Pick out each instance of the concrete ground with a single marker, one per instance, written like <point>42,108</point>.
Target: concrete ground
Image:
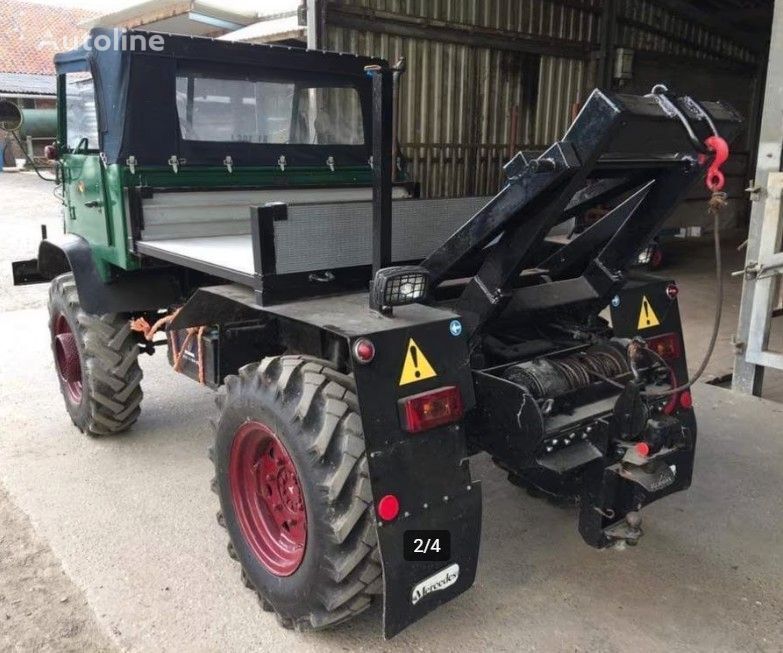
<point>123,528</point>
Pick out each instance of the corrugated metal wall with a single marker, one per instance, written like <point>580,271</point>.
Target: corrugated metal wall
<point>648,27</point>
<point>466,104</point>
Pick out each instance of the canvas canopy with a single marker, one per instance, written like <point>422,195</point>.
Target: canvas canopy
<point>204,100</point>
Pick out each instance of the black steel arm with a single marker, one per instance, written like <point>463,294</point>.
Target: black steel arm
<point>576,254</point>
<point>586,140</point>
<point>616,144</point>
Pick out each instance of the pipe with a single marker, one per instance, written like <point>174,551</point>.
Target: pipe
<point>36,123</point>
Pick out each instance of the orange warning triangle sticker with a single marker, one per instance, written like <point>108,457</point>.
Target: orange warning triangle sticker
<point>647,316</point>
<point>416,367</point>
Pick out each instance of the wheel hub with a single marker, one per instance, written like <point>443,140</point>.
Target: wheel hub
<point>66,355</point>
<point>267,498</point>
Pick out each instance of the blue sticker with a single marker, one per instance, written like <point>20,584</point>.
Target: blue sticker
<point>616,301</point>
<point>455,328</point>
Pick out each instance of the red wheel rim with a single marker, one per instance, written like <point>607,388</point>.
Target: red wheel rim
<point>66,357</point>
<point>267,498</point>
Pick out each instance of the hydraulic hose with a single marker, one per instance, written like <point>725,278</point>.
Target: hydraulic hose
<point>716,203</point>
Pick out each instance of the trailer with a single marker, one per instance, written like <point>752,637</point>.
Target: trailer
<point>234,203</point>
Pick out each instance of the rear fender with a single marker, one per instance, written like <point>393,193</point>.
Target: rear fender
<point>428,472</point>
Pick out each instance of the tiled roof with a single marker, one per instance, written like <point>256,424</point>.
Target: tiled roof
<point>26,84</point>
<point>33,33</point>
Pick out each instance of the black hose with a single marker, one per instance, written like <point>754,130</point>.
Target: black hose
<point>32,163</point>
<point>717,202</point>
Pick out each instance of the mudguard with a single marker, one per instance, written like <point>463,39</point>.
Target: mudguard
<point>133,291</point>
<point>428,472</point>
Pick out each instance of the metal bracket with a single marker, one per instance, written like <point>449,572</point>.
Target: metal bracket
<point>754,270</point>
<point>750,271</point>
<point>174,163</point>
<point>515,166</point>
<point>282,162</point>
<point>229,163</point>
<point>131,163</point>
<point>737,343</point>
<point>330,162</point>
<point>755,190</point>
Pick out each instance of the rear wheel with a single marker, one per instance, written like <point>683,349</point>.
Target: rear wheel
<point>96,361</point>
<point>291,473</point>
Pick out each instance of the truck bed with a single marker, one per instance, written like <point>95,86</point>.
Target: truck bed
<point>308,238</point>
<point>226,257</point>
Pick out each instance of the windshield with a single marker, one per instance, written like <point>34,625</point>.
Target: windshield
<point>245,110</point>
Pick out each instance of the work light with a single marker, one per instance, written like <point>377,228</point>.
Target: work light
<point>397,286</point>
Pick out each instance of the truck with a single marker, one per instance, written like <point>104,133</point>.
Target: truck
<point>234,204</point>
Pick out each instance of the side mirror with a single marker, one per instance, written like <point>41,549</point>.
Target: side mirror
<point>52,152</point>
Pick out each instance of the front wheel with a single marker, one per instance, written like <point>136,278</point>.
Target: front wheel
<point>95,357</point>
<point>291,474</point>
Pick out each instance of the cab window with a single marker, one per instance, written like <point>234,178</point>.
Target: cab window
<point>81,116</point>
<point>253,110</point>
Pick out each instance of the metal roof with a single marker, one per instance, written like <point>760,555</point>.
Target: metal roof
<point>27,84</point>
<point>194,17</point>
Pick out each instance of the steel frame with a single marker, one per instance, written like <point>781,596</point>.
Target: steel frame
<point>763,275</point>
<point>764,233</point>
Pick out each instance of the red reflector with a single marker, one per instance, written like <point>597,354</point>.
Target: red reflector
<point>666,346</point>
<point>388,507</point>
<point>430,409</point>
<point>363,350</point>
<point>672,291</point>
<point>686,400</point>
<point>643,449</point>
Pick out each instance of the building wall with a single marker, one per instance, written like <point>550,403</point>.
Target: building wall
<point>486,78</point>
<point>465,106</point>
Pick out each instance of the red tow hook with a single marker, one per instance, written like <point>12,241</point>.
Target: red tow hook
<point>715,179</point>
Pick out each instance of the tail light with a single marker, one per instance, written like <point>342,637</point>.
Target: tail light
<point>52,152</point>
<point>427,410</point>
<point>667,346</point>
